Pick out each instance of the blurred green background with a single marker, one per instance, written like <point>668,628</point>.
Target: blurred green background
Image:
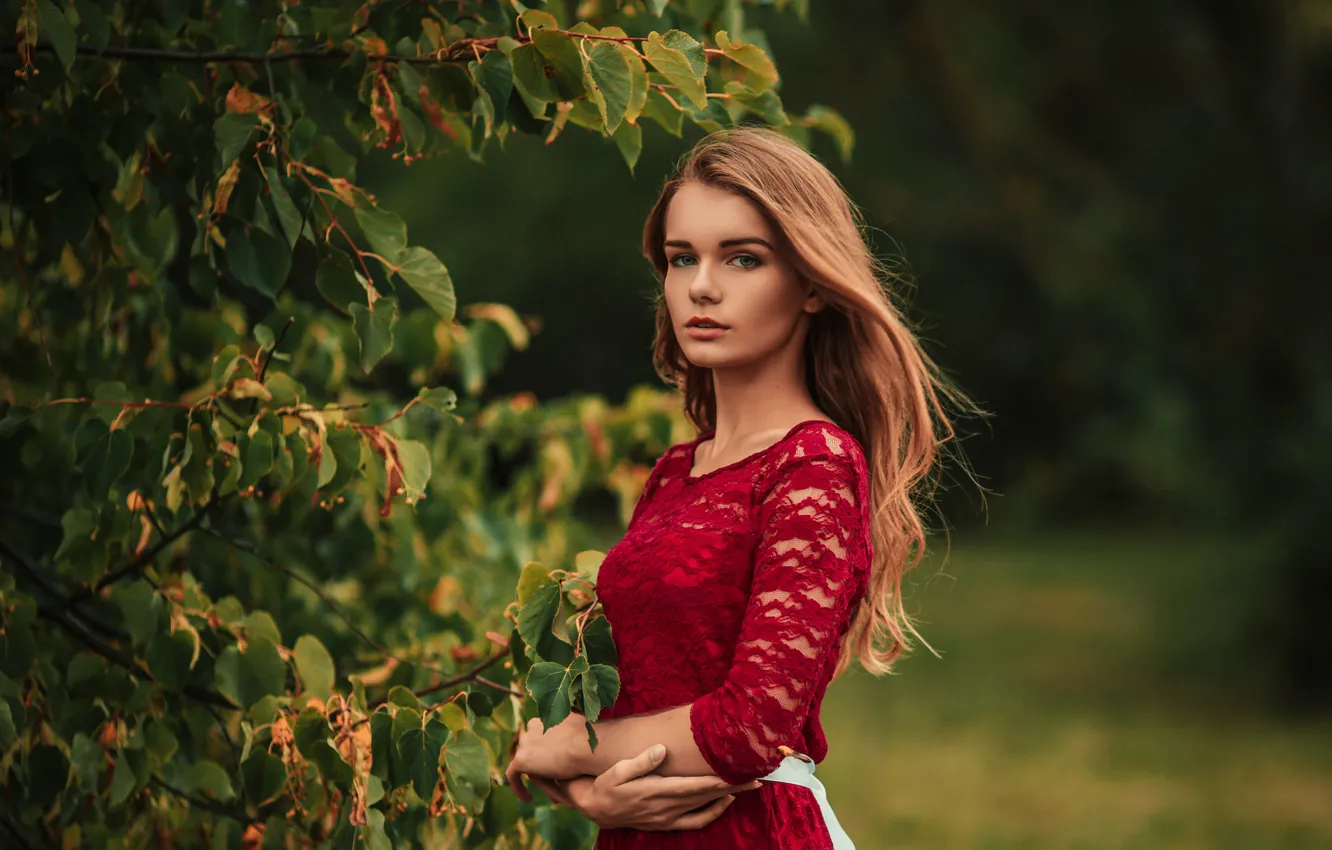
<point>1112,219</point>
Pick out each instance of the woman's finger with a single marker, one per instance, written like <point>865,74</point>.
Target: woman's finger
<point>693,801</point>
<point>698,820</point>
<point>692,786</point>
<point>515,778</point>
<point>643,763</point>
<point>553,790</point>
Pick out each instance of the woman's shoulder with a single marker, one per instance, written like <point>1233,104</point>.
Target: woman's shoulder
<point>816,452</point>
<point>817,439</point>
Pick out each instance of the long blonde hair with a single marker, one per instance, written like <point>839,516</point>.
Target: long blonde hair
<point>864,365</point>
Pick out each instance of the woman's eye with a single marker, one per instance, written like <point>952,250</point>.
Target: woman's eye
<point>678,259</point>
<point>750,262</point>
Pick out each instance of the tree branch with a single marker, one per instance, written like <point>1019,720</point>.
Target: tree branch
<point>141,563</point>
<point>206,805</point>
<point>474,673</point>
<point>158,54</point>
<point>295,576</point>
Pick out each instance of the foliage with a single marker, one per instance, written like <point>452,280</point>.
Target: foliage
<point>260,556</point>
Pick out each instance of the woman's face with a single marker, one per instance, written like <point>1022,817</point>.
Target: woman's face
<point>722,264</point>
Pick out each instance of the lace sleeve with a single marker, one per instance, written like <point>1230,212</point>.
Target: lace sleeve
<point>807,576</point>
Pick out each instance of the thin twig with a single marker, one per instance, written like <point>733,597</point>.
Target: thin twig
<point>206,805</point>
<point>141,563</point>
<point>324,597</point>
<point>165,55</point>
<point>263,370</point>
<point>454,680</point>
<point>34,575</point>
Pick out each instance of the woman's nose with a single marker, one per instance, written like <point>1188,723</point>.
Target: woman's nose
<point>703,283</point>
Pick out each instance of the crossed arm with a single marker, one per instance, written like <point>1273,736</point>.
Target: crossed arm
<point>805,579</point>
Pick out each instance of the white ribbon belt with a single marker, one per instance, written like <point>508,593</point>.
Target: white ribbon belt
<point>800,771</point>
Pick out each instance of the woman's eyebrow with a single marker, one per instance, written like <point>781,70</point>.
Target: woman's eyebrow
<point>725,243</point>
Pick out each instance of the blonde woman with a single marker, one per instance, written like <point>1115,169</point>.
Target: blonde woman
<point>767,554</point>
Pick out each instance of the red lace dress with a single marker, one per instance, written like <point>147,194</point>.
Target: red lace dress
<point>732,590</point>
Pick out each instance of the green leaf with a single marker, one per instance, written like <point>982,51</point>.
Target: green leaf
<point>385,231</point>
<point>529,73</point>
<point>8,732</point>
<point>258,259</point>
<point>562,55</point>
<point>608,82</point>
<point>548,683</point>
<point>598,643</point>
<point>168,658</point>
<point>766,104</point>
<point>104,456</point>
<point>256,458</point>
<point>689,47</point>
<point>415,460</point>
<point>263,776</point>
<point>601,687</point>
<point>420,749</point>
<point>656,7</point>
<point>337,281</point>
<point>494,73</point>
<point>139,608</point>
<point>428,277</point>
<point>828,120</point>
<point>260,624</point>
<point>288,216</point>
<point>374,330</point>
<point>438,398</point>
<point>78,525</point>
<point>532,578</point>
<point>403,696</point>
<point>94,22</point>
<point>661,110</point>
<point>314,665</point>
<point>55,28</point>
<point>122,781</point>
<point>538,615</point>
<point>629,139</point>
<point>151,240</point>
<point>286,392</point>
<point>210,779</point>
<point>536,18</point>
<point>467,770</point>
<point>375,836</point>
<point>752,57</point>
<point>249,677</point>
<point>344,444</point>
<point>231,133</point>
<point>677,67</point>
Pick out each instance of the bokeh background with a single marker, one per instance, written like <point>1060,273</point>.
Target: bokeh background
<point>1112,222</point>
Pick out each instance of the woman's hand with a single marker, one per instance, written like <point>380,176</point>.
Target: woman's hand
<point>545,753</point>
<point>627,795</point>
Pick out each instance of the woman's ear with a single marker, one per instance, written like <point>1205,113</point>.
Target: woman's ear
<point>813,301</point>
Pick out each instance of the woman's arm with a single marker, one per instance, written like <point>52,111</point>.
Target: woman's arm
<point>631,795</point>
<point>563,751</point>
<point>807,576</point>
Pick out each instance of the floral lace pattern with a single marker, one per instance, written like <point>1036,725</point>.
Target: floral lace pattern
<point>732,589</point>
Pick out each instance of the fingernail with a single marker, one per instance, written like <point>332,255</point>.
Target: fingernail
<point>657,753</point>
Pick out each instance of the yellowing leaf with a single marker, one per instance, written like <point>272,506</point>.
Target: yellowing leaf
<point>250,388</point>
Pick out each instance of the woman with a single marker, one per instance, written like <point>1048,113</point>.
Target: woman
<point>768,552</point>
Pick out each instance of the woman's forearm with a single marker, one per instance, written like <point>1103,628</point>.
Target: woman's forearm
<point>625,737</point>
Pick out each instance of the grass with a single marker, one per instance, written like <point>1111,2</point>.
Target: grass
<point>1071,710</point>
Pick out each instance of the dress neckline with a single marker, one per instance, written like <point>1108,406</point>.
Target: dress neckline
<point>692,451</point>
